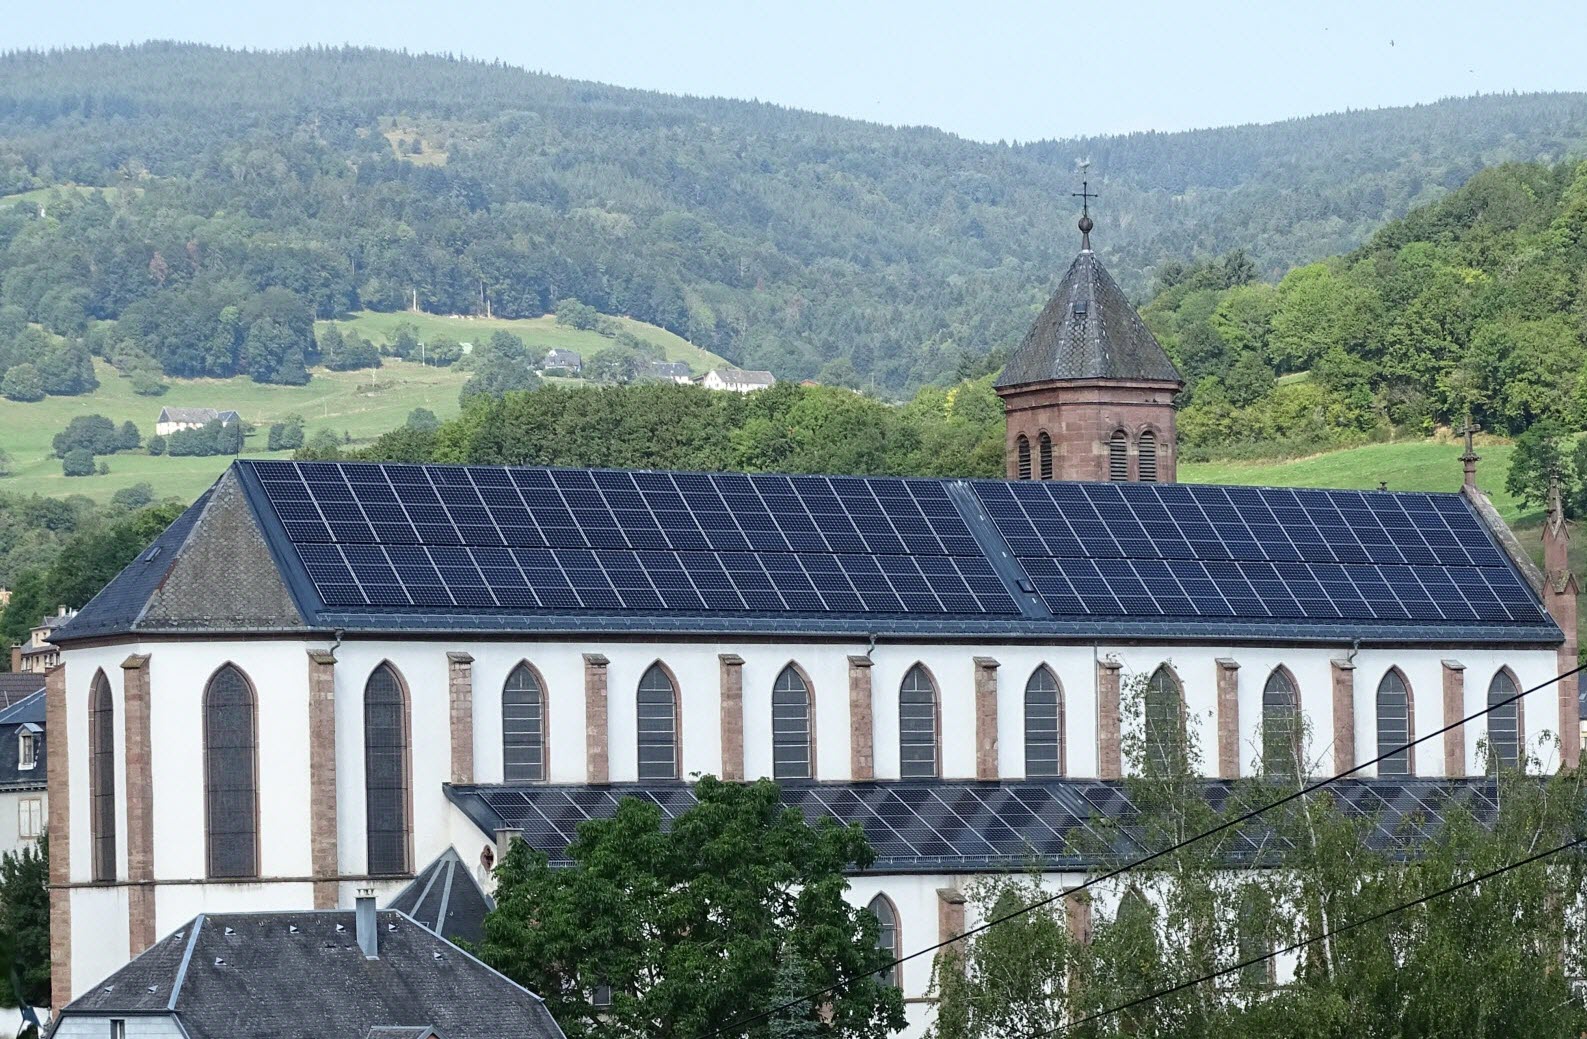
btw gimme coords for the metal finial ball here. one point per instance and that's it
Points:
(1086, 225)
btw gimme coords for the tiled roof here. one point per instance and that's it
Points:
(1088, 330)
(18, 685)
(936, 826)
(447, 899)
(288, 975)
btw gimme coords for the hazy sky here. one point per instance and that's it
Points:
(980, 68)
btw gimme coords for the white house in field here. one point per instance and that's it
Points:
(173, 419)
(737, 380)
(329, 676)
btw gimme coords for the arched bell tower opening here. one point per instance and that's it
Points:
(1090, 384)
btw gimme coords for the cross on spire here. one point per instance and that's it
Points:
(1085, 195)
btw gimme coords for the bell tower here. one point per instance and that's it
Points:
(1089, 394)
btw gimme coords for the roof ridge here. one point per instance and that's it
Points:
(187, 957)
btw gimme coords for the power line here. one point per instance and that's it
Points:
(1273, 954)
(1118, 871)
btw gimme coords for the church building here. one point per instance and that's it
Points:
(333, 676)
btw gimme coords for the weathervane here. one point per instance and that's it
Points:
(1085, 195)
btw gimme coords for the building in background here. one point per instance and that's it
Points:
(173, 419)
(38, 654)
(737, 380)
(24, 767)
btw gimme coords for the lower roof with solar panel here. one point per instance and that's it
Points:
(936, 826)
(403, 548)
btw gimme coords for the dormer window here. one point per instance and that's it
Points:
(27, 748)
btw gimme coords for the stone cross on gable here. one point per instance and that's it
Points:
(1470, 458)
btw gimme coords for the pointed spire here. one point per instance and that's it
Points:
(1556, 534)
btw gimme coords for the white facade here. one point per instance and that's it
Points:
(278, 670)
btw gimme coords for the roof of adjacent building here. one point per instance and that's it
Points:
(1088, 330)
(560, 356)
(941, 825)
(200, 415)
(24, 714)
(446, 898)
(745, 377)
(397, 548)
(18, 685)
(302, 975)
(670, 369)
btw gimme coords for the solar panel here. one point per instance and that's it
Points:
(1204, 552)
(488, 538)
(1057, 823)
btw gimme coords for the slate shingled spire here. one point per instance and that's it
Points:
(1089, 392)
(1088, 330)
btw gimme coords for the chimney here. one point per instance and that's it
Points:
(364, 918)
(504, 838)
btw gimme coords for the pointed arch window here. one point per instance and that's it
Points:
(1164, 720)
(1119, 456)
(1044, 455)
(790, 726)
(231, 774)
(102, 777)
(1146, 462)
(1504, 722)
(887, 935)
(386, 772)
(523, 727)
(658, 725)
(1394, 726)
(1044, 724)
(917, 725)
(1253, 936)
(1022, 453)
(1281, 729)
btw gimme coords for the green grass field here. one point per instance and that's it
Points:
(540, 334)
(1415, 465)
(340, 401)
(364, 404)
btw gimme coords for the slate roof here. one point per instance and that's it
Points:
(447, 899)
(287, 975)
(200, 415)
(28, 713)
(1088, 330)
(18, 685)
(949, 826)
(396, 548)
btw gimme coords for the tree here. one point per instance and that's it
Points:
(690, 925)
(499, 371)
(228, 438)
(405, 340)
(96, 433)
(25, 925)
(79, 461)
(422, 419)
(323, 446)
(441, 352)
(67, 370)
(615, 366)
(130, 437)
(22, 383)
(134, 497)
(156, 445)
(574, 314)
(286, 435)
(1537, 457)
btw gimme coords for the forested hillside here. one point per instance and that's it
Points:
(1476, 303)
(223, 200)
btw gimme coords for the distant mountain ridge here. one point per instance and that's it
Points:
(813, 245)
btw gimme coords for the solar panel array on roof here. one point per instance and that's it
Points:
(544, 539)
(1177, 550)
(1060, 823)
(437, 546)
